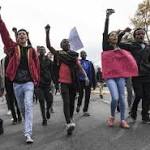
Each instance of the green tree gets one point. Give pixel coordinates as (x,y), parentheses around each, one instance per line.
(142,17)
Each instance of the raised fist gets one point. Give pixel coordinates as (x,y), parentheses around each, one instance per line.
(110,11)
(14,29)
(127,29)
(47,27)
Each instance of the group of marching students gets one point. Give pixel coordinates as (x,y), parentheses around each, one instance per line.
(28,72)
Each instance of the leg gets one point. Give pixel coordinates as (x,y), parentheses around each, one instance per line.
(129,91)
(66,101)
(28,100)
(81,92)
(112,86)
(101,86)
(121,90)
(146,102)
(87,98)
(138,90)
(49,98)
(72,95)
(19,94)
(40,94)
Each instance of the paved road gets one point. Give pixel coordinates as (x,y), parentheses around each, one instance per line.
(91,133)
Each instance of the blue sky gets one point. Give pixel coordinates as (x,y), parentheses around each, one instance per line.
(86,15)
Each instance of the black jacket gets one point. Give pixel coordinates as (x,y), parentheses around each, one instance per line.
(46,72)
(142,57)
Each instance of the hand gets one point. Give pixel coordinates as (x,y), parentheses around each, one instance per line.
(14,29)
(87,81)
(47,27)
(127,29)
(109,12)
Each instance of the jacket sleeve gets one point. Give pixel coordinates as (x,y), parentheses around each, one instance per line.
(37,66)
(9,45)
(105,34)
(127,46)
(93,76)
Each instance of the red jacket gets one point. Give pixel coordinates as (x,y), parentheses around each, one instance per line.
(12,49)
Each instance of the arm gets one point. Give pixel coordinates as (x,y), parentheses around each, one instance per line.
(84,73)
(105,34)
(8,43)
(122,33)
(48,43)
(14,29)
(126,46)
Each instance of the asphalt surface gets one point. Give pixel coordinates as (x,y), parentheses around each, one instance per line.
(91,133)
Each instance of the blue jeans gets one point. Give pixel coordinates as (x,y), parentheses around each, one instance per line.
(24,96)
(117,90)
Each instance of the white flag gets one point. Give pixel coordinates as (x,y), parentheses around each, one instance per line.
(74,39)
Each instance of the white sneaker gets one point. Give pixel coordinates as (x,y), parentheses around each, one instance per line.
(70,127)
(29,140)
(9,113)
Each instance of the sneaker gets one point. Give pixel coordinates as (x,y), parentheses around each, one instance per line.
(48,114)
(44,122)
(70,127)
(111,121)
(146,121)
(133,116)
(78,109)
(9,113)
(124,124)
(29,140)
(86,114)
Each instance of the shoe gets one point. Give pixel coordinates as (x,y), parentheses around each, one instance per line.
(48,114)
(78,109)
(146,121)
(19,119)
(44,122)
(70,127)
(133,116)
(9,113)
(29,140)
(86,114)
(124,124)
(14,122)
(111,121)
(101,96)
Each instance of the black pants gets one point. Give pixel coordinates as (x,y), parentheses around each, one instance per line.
(87,90)
(11,100)
(44,95)
(68,93)
(130,95)
(142,92)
